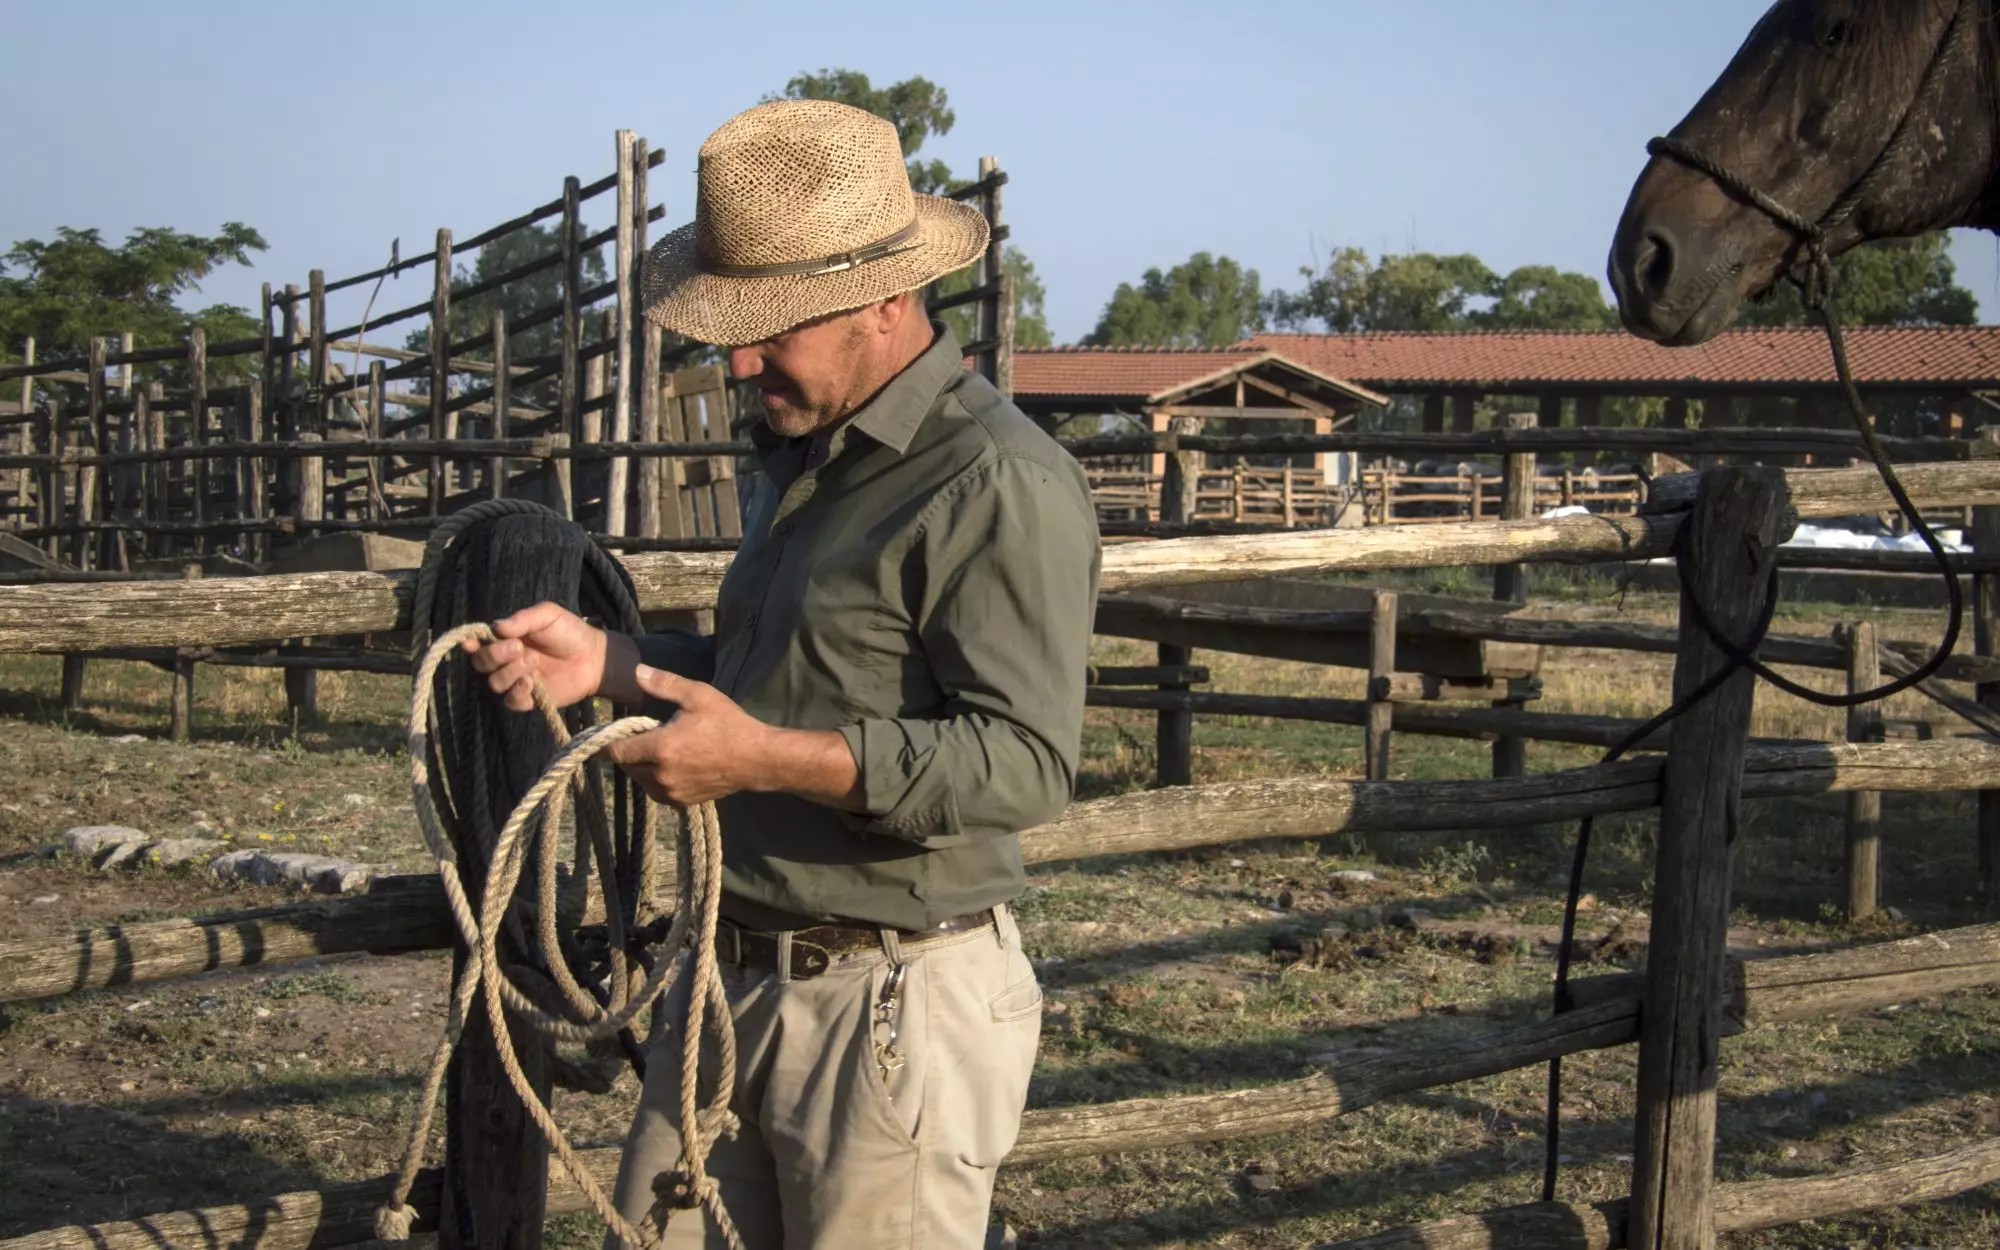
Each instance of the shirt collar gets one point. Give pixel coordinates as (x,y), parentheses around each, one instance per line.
(891,418)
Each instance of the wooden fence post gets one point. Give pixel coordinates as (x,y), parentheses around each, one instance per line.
(1510,581)
(302,684)
(1732,532)
(556,484)
(197,477)
(618,471)
(23,478)
(89,543)
(1864,807)
(378,421)
(1986,642)
(440,371)
(180,714)
(1381,673)
(496,469)
(1173,737)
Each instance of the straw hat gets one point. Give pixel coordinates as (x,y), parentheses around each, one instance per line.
(802,208)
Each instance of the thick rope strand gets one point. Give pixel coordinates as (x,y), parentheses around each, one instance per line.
(538,815)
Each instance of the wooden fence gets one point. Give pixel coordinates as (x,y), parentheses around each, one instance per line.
(313,427)
(1690,996)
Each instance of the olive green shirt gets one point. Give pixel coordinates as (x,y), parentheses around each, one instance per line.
(921,578)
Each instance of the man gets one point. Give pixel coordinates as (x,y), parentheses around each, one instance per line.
(893,692)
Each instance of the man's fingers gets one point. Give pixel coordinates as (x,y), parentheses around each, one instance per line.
(506,678)
(521,696)
(529,620)
(489,658)
(669,686)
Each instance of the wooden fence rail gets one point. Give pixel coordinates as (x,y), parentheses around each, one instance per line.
(1762,992)
(409,914)
(220,611)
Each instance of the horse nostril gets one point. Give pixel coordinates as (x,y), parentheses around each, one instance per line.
(1653,267)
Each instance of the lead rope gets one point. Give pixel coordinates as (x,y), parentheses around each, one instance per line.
(1815,283)
(698,888)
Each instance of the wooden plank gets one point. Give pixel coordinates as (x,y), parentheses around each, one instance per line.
(1381,667)
(1738,520)
(1864,807)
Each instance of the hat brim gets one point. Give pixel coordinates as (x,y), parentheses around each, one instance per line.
(731,311)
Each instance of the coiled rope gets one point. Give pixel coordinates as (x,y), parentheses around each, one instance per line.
(533,827)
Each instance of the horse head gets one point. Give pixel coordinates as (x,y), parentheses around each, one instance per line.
(1885,108)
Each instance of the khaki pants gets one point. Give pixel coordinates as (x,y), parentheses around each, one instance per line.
(831,1155)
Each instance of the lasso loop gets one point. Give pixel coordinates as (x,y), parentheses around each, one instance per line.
(485,981)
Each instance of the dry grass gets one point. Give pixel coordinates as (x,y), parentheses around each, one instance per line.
(1161,976)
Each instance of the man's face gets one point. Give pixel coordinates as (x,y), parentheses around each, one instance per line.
(814,374)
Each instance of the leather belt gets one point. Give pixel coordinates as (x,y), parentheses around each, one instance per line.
(813,949)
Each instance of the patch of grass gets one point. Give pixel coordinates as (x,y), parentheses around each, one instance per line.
(327,984)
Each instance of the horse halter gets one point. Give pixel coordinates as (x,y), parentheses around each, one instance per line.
(1816,286)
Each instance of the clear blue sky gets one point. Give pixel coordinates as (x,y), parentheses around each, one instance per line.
(1135,133)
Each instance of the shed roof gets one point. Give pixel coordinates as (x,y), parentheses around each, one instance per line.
(1137,376)
(1937,357)
(1941,356)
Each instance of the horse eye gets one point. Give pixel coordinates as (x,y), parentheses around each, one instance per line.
(1836,35)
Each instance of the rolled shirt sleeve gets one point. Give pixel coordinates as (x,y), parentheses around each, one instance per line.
(1010,562)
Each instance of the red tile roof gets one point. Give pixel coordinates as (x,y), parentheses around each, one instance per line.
(1943,356)
(1120,372)
(1907,355)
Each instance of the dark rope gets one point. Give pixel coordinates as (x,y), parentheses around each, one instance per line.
(1815,280)
(486,562)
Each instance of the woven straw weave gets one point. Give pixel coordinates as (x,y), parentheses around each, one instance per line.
(795,181)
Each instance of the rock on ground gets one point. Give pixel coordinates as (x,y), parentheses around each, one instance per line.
(169,852)
(321,874)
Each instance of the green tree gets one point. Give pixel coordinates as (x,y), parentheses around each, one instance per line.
(1206,301)
(1887,282)
(1031,324)
(1542,297)
(1426,291)
(66,291)
(519,297)
(917,107)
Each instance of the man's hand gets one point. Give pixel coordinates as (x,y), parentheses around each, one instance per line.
(548,641)
(711,748)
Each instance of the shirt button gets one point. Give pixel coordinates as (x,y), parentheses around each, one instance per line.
(784,529)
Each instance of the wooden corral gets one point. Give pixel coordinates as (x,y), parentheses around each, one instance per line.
(1691,996)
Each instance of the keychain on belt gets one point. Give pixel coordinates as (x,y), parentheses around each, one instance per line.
(888,1007)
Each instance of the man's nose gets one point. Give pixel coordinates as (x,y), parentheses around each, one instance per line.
(745,362)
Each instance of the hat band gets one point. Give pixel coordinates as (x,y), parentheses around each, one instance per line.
(897,242)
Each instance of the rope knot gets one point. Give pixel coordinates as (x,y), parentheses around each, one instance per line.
(393,1221)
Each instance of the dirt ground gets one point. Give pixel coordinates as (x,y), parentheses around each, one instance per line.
(1165,974)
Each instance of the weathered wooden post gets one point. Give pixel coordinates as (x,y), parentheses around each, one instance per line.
(1986,642)
(180,713)
(440,371)
(1173,735)
(302,684)
(1381,677)
(1736,522)
(1864,807)
(1510,581)
(496,468)
(556,484)
(197,476)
